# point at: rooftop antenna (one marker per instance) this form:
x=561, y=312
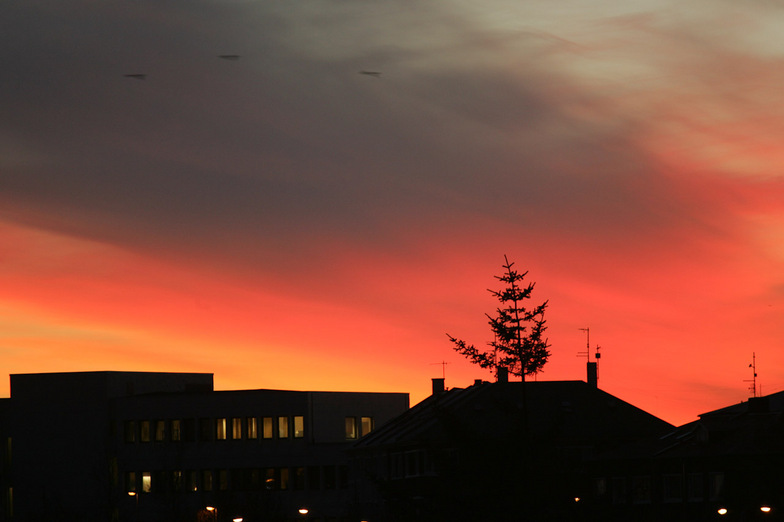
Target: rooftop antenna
x=443, y=368
x=753, y=381
x=587, y=352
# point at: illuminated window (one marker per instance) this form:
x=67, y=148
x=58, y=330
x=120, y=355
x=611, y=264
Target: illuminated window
x=130, y=481
x=160, y=431
x=220, y=428
x=283, y=427
x=144, y=431
x=146, y=482
x=130, y=431
x=351, y=427
x=176, y=430
x=267, y=429
x=236, y=428
x=299, y=426
x=252, y=428
x=366, y=425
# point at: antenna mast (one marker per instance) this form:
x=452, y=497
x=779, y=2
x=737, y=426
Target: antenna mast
x=753, y=381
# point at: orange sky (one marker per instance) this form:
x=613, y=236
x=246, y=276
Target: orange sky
x=284, y=222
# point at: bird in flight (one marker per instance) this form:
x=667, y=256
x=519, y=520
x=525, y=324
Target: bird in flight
x=374, y=74
x=136, y=76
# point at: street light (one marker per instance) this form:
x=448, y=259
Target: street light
x=765, y=509
x=303, y=511
x=214, y=511
x=722, y=511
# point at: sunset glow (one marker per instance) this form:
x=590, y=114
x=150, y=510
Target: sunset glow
x=282, y=221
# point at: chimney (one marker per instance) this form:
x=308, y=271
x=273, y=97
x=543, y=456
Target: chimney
x=502, y=374
x=438, y=386
x=593, y=375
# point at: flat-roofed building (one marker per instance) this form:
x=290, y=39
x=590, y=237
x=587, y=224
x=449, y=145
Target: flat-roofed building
x=167, y=446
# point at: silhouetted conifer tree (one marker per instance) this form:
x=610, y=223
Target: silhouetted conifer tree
x=518, y=344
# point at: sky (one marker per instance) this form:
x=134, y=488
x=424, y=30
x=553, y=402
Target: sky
x=283, y=220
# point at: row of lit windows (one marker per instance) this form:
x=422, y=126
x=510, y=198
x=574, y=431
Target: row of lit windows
x=358, y=427
x=232, y=428
x=222, y=428
x=246, y=479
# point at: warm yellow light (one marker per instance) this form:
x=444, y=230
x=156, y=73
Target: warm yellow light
x=131, y=493
x=238, y=519
x=765, y=509
x=577, y=499
x=722, y=511
x=303, y=511
x=210, y=508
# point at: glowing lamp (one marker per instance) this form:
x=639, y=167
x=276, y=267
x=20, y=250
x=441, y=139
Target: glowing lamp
x=303, y=511
x=722, y=511
x=765, y=509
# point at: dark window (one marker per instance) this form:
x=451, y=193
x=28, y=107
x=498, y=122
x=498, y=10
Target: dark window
x=130, y=431
x=189, y=430
x=716, y=485
x=176, y=430
x=130, y=481
x=329, y=477
x=144, y=431
x=619, y=490
x=283, y=473
x=641, y=489
x=160, y=431
x=298, y=479
x=206, y=480
x=672, y=488
x=192, y=478
x=177, y=480
x=343, y=477
x=696, y=487
x=223, y=479
x=314, y=477
x=205, y=429
x=270, y=481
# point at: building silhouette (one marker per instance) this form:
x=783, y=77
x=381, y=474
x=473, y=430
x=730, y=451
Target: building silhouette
x=138, y=446
x=493, y=451
x=133, y=446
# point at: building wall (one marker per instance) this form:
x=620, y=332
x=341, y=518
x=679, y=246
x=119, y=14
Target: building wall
x=88, y=439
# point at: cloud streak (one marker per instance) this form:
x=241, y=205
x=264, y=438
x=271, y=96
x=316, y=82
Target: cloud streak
x=627, y=154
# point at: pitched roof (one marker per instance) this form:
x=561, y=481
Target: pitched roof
x=568, y=412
